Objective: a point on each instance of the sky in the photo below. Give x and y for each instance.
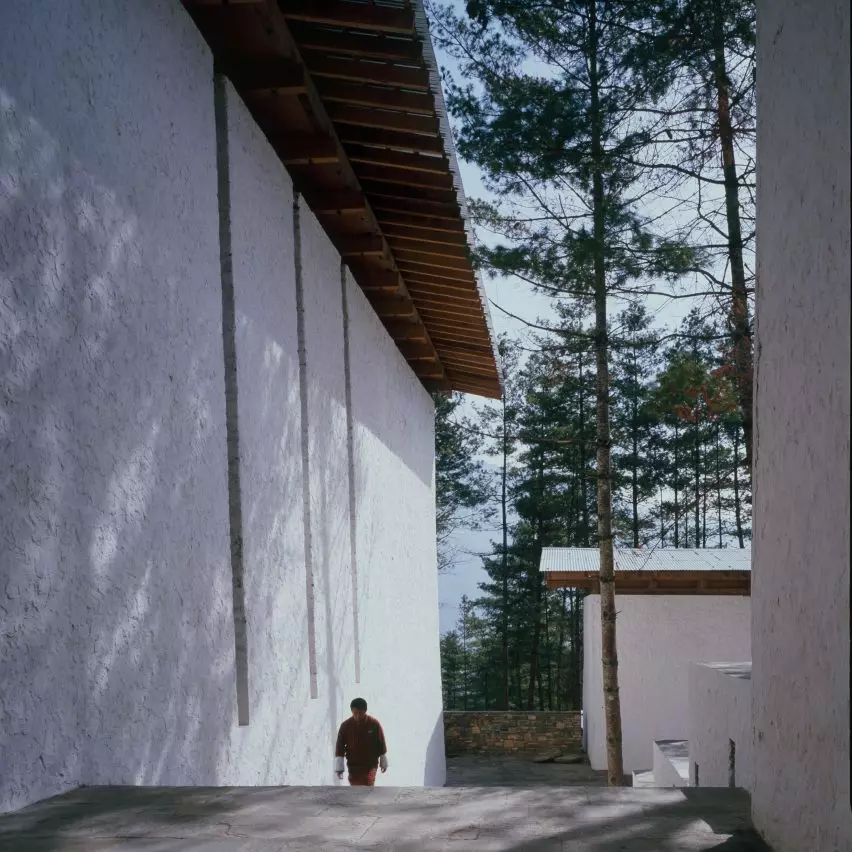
(517, 298)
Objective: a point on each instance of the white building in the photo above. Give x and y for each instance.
(800, 589)
(217, 490)
(675, 607)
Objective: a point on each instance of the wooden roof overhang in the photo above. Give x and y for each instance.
(657, 582)
(348, 95)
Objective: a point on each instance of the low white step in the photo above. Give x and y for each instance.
(671, 763)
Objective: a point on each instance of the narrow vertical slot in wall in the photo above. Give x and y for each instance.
(732, 763)
(310, 597)
(232, 431)
(350, 453)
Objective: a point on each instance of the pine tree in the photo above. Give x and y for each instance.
(708, 131)
(634, 367)
(461, 481)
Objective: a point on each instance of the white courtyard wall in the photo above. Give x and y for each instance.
(719, 713)
(117, 650)
(116, 645)
(800, 685)
(665, 770)
(658, 636)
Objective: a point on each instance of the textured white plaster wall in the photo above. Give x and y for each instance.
(397, 559)
(800, 554)
(720, 711)
(665, 771)
(279, 743)
(116, 648)
(658, 636)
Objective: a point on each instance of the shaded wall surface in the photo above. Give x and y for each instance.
(720, 728)
(800, 587)
(658, 637)
(501, 732)
(121, 179)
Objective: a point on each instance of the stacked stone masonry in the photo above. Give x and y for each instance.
(511, 732)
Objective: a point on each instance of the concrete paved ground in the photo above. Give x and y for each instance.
(448, 819)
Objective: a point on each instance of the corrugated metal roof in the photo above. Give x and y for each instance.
(585, 559)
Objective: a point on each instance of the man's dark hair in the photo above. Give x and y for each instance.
(358, 704)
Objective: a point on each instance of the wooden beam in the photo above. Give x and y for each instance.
(353, 44)
(383, 119)
(466, 325)
(327, 201)
(306, 149)
(280, 75)
(433, 236)
(443, 337)
(418, 200)
(362, 16)
(452, 311)
(333, 90)
(404, 177)
(424, 261)
(448, 340)
(392, 306)
(441, 386)
(443, 289)
(359, 245)
(448, 357)
(413, 351)
(363, 71)
(454, 298)
(436, 270)
(427, 163)
(398, 140)
(375, 280)
(401, 221)
(401, 330)
(439, 245)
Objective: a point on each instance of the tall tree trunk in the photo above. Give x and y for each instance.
(697, 475)
(536, 642)
(584, 482)
(738, 318)
(612, 703)
(738, 511)
(504, 620)
(676, 483)
(635, 479)
(560, 652)
(464, 654)
(719, 482)
(547, 651)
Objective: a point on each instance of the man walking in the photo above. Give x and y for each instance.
(361, 741)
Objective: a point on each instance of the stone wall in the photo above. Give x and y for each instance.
(508, 732)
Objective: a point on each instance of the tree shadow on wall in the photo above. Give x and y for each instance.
(118, 642)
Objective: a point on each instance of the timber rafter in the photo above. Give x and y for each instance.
(344, 92)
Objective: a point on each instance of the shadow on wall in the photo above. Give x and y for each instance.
(435, 771)
(117, 650)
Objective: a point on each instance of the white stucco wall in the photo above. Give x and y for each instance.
(670, 770)
(658, 636)
(801, 498)
(116, 644)
(719, 712)
(395, 538)
(117, 660)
